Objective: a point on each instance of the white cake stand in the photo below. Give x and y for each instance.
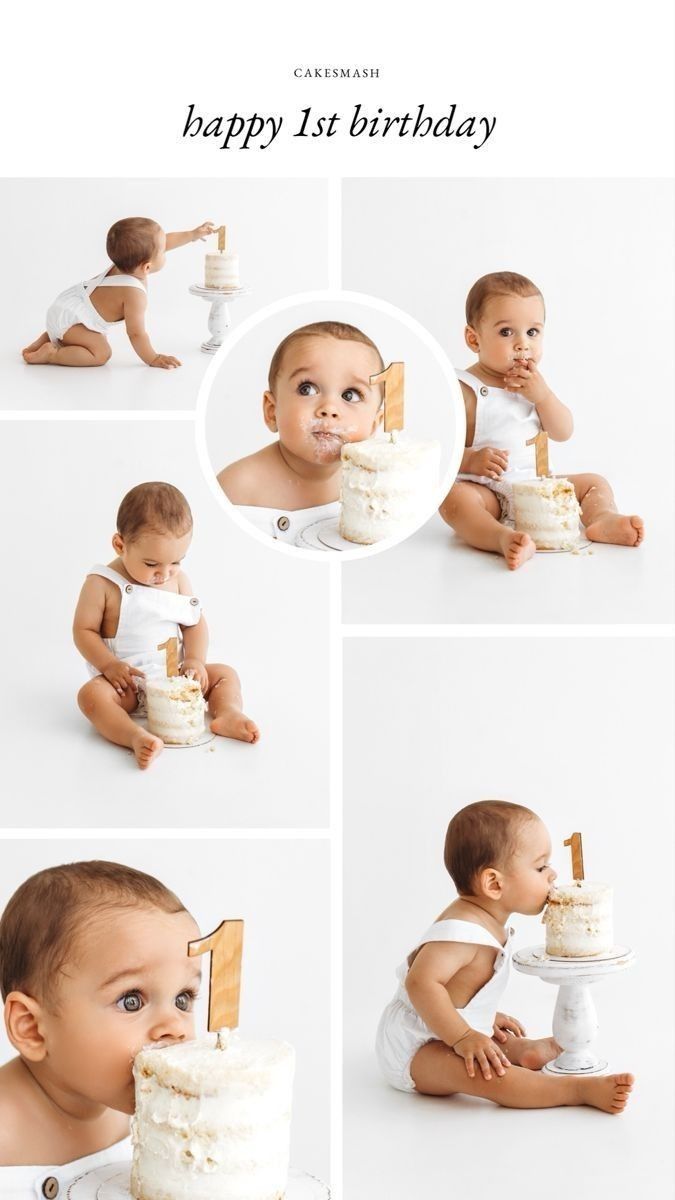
(112, 1183)
(575, 1021)
(219, 314)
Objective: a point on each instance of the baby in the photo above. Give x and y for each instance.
(507, 403)
(129, 608)
(93, 966)
(442, 1033)
(79, 319)
(319, 397)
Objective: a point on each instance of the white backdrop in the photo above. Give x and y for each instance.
(267, 618)
(285, 971)
(53, 234)
(578, 730)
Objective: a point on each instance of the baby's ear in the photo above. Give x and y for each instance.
(491, 883)
(270, 411)
(471, 338)
(23, 1016)
(118, 543)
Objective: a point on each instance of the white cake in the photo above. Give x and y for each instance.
(548, 510)
(578, 920)
(388, 486)
(175, 709)
(212, 1124)
(221, 270)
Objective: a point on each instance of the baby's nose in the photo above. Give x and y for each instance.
(327, 407)
(167, 1026)
(553, 875)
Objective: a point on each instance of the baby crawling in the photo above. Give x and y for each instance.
(130, 607)
(442, 1033)
(80, 318)
(508, 402)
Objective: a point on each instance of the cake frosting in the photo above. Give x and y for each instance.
(212, 1124)
(388, 486)
(221, 270)
(547, 509)
(175, 708)
(578, 919)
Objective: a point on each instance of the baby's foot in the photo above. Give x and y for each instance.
(616, 529)
(516, 548)
(44, 353)
(538, 1052)
(608, 1092)
(146, 747)
(233, 723)
(39, 341)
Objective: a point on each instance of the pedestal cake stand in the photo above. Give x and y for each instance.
(575, 1021)
(112, 1183)
(219, 313)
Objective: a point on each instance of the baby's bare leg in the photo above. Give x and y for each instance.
(225, 705)
(81, 347)
(473, 511)
(532, 1053)
(438, 1071)
(109, 714)
(599, 513)
(39, 341)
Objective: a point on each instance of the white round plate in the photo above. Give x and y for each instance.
(325, 535)
(581, 544)
(197, 290)
(206, 737)
(609, 956)
(112, 1183)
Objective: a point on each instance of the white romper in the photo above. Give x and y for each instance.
(73, 307)
(402, 1032)
(148, 617)
(286, 525)
(34, 1183)
(505, 421)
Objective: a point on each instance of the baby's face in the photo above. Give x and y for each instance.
(528, 876)
(131, 983)
(152, 558)
(510, 328)
(323, 397)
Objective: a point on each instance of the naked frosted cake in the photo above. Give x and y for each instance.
(388, 486)
(175, 707)
(578, 920)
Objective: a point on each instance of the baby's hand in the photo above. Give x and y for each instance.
(504, 1023)
(489, 462)
(121, 676)
(166, 361)
(478, 1048)
(194, 669)
(202, 231)
(525, 378)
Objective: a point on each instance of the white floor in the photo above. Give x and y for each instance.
(434, 578)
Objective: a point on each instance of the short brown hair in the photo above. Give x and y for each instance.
(132, 241)
(44, 918)
(156, 506)
(499, 283)
(482, 835)
(334, 329)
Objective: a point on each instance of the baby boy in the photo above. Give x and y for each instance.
(319, 397)
(442, 1033)
(507, 403)
(93, 966)
(80, 318)
(133, 605)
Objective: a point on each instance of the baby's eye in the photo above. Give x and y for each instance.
(506, 332)
(151, 564)
(547, 867)
(533, 333)
(352, 395)
(185, 1000)
(308, 389)
(131, 1002)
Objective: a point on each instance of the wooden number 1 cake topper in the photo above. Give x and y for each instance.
(540, 443)
(171, 648)
(392, 378)
(225, 945)
(221, 231)
(577, 855)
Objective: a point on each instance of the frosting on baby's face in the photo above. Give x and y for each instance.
(509, 329)
(323, 397)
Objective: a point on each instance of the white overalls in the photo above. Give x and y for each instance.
(74, 307)
(285, 524)
(402, 1032)
(149, 616)
(504, 421)
(36, 1183)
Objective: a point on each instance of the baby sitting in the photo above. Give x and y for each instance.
(135, 604)
(442, 1033)
(508, 402)
(80, 318)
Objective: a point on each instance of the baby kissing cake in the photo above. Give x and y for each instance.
(221, 270)
(212, 1124)
(578, 920)
(388, 486)
(548, 510)
(175, 709)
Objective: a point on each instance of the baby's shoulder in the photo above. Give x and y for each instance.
(242, 481)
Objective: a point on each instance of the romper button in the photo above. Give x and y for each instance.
(194, 600)
(50, 1188)
(128, 588)
(283, 524)
(483, 391)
